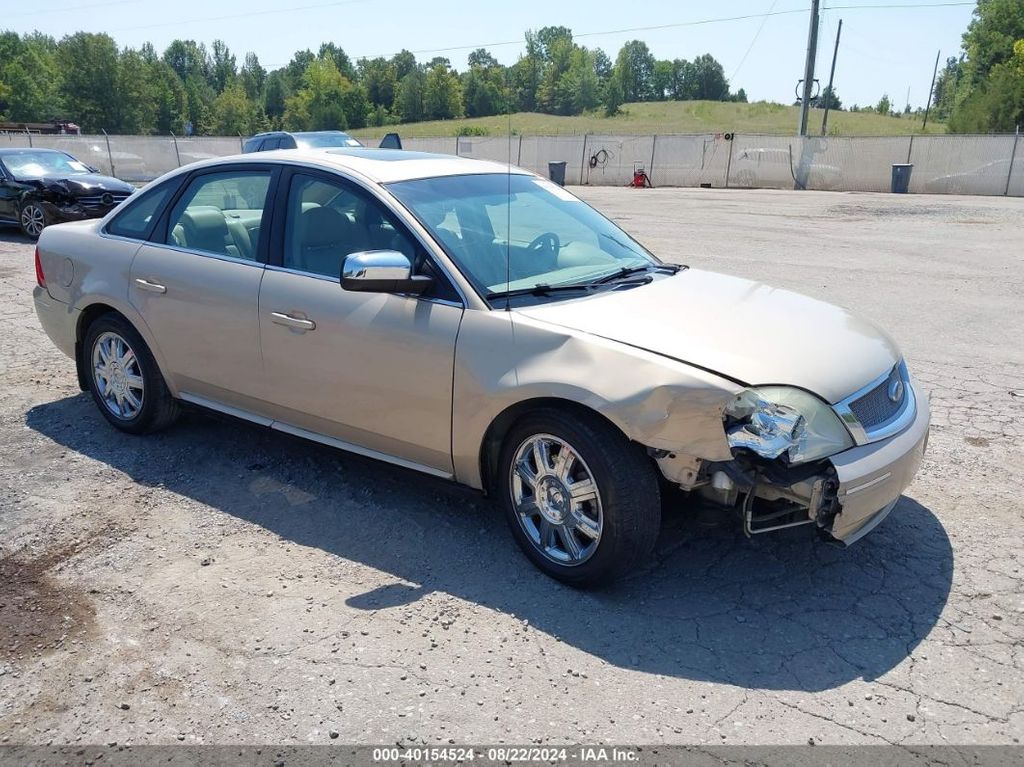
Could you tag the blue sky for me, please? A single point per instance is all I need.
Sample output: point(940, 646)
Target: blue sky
point(883, 50)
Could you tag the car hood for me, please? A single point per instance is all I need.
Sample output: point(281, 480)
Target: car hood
point(747, 331)
point(84, 183)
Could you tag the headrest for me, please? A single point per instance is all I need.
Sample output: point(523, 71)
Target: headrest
point(325, 226)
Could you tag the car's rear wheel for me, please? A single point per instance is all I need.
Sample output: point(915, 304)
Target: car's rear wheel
point(124, 379)
point(582, 501)
point(32, 219)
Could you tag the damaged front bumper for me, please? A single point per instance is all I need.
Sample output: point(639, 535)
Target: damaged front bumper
point(845, 496)
point(62, 212)
point(872, 477)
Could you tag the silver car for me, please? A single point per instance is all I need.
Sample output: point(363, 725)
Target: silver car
point(478, 323)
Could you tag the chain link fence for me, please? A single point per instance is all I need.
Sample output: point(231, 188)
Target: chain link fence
point(982, 165)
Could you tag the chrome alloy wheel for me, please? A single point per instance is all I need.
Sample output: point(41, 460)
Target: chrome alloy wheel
point(32, 220)
point(117, 375)
point(556, 499)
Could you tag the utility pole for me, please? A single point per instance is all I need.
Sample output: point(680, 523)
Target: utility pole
point(829, 93)
point(812, 51)
point(935, 73)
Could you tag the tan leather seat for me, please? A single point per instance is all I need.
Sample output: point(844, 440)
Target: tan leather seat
point(204, 227)
point(326, 237)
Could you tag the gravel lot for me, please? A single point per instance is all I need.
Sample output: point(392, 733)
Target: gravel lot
point(220, 583)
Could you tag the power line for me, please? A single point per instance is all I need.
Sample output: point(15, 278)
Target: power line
point(624, 30)
point(70, 8)
point(890, 6)
point(700, 22)
point(760, 28)
point(246, 15)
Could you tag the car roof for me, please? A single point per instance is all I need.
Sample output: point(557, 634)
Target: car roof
point(299, 133)
point(23, 149)
point(382, 166)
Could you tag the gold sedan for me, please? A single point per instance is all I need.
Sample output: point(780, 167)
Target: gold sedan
point(479, 323)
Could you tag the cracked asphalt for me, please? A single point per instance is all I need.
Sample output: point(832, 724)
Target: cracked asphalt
point(219, 583)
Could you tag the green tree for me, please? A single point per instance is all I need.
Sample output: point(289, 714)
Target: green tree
point(482, 95)
point(321, 103)
point(31, 78)
point(482, 58)
point(708, 78)
point(234, 113)
point(169, 93)
point(89, 86)
point(548, 37)
point(635, 68)
point(613, 94)
point(663, 80)
point(884, 105)
point(137, 106)
point(409, 98)
point(404, 62)
point(275, 95)
point(378, 77)
point(224, 69)
point(189, 59)
point(947, 88)
point(998, 103)
point(295, 70)
point(442, 93)
point(602, 65)
point(526, 74)
point(253, 77)
point(828, 98)
point(340, 58)
point(990, 38)
point(552, 94)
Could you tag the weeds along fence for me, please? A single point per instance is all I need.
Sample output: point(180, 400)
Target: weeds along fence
point(981, 165)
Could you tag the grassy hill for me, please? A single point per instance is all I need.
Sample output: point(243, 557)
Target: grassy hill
point(673, 117)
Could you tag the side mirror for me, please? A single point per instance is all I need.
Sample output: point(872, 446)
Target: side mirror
point(93, 168)
point(381, 271)
point(391, 141)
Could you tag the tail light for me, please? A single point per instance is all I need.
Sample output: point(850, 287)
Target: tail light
point(40, 277)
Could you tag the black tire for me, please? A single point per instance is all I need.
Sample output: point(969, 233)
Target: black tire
point(627, 484)
point(158, 408)
point(33, 219)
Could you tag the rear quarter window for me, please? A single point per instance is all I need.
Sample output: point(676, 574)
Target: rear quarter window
point(138, 218)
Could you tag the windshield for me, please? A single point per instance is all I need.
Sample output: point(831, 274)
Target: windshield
point(317, 140)
point(515, 232)
point(40, 164)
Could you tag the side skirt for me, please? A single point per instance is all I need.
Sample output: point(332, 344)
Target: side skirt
point(313, 436)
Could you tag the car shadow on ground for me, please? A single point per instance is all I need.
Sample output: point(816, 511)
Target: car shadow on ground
point(12, 234)
point(778, 611)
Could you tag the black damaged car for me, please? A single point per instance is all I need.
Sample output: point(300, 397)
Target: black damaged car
point(39, 187)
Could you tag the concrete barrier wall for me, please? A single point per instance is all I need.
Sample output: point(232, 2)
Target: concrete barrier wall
point(982, 165)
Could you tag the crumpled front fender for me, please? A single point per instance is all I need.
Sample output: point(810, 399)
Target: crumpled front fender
point(504, 359)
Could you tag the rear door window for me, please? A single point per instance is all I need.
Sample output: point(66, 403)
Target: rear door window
point(136, 220)
point(221, 213)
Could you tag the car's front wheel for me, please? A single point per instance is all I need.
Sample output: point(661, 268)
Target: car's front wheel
point(32, 219)
point(124, 379)
point(582, 500)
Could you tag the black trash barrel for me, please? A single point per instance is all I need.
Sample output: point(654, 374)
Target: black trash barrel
point(901, 178)
point(556, 172)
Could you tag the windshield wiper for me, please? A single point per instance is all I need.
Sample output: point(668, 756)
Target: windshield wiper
point(627, 271)
point(541, 289)
point(538, 290)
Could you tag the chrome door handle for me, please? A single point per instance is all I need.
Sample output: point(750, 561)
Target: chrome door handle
point(152, 287)
point(292, 322)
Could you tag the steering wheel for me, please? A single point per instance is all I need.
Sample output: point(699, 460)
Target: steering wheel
point(546, 242)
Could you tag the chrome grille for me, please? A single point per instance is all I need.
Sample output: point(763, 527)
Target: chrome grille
point(105, 200)
point(878, 406)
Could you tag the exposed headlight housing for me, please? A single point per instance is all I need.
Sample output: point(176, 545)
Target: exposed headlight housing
point(780, 421)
